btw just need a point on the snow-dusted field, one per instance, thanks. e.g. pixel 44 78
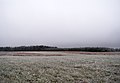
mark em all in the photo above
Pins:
pixel 60 68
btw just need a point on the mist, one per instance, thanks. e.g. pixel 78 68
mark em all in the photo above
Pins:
pixel 62 23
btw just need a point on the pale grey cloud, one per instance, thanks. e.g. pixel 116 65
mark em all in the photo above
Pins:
pixel 64 23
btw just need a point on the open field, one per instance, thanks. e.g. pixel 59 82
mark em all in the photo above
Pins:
pixel 59 67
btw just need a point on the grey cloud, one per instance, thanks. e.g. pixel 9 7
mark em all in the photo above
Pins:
pixel 63 23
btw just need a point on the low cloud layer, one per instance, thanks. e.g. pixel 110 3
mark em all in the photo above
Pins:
pixel 63 23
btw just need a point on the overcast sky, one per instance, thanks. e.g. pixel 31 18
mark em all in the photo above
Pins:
pixel 62 23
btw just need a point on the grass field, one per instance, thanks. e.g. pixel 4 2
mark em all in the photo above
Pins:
pixel 59 67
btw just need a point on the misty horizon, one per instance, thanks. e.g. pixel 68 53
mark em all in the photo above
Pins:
pixel 60 23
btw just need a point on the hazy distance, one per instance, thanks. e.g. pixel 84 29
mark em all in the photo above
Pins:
pixel 62 23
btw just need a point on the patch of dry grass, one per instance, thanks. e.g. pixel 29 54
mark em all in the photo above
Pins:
pixel 71 68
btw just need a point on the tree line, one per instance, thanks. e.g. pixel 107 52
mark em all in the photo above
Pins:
pixel 50 48
pixel 26 48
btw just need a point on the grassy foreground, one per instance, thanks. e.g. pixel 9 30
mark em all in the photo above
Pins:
pixel 71 68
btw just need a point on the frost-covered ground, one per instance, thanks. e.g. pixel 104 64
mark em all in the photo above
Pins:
pixel 71 68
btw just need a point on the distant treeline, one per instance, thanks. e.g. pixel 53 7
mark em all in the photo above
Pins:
pixel 27 48
pixel 50 48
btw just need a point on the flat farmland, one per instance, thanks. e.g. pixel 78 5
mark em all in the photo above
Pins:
pixel 59 67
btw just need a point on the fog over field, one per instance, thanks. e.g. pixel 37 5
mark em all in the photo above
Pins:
pixel 63 23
